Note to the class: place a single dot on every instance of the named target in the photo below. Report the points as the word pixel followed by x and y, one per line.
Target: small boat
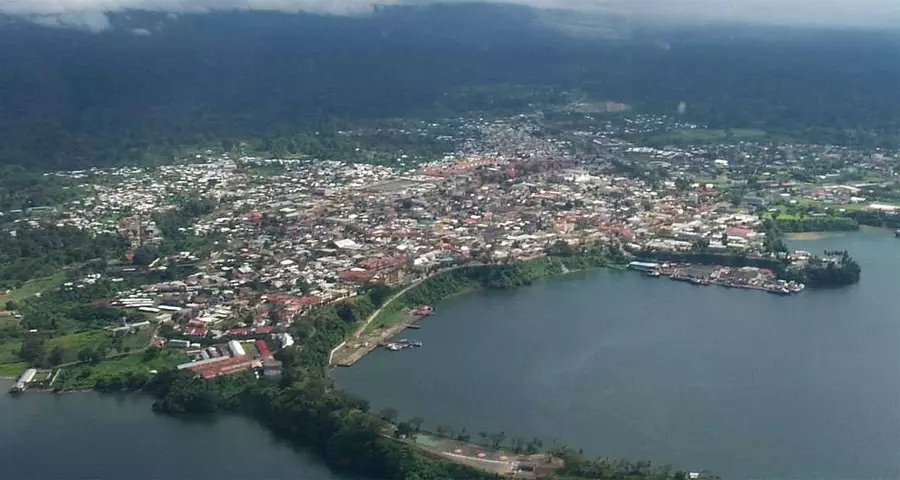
pixel 416 344
pixel 652 273
pixel 414 326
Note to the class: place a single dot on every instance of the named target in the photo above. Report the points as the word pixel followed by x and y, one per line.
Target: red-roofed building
pixel 197 332
pixel 356 276
pixel 379 263
pixel 739 232
pixel 246 332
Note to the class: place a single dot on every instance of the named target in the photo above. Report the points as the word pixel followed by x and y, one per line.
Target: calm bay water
pixel 743 383
pixel 94 437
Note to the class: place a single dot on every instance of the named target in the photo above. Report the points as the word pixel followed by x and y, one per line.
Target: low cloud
pixel 90 21
pixel 90 14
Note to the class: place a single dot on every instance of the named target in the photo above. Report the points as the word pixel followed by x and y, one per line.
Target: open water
pixel 742 383
pixel 745 384
pixel 85 436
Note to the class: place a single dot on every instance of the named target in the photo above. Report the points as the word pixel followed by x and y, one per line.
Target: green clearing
pixel 12 369
pixel 388 317
pixel 85 377
pixel 74 342
pixel 709 135
pixel 10 363
pixel 250 348
pixel 32 287
pixel 137 340
pixel 9 352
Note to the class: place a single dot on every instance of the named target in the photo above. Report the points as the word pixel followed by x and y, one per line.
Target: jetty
pixel 22 383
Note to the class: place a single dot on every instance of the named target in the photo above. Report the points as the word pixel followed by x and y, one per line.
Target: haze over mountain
pixel 91 14
pixel 152 80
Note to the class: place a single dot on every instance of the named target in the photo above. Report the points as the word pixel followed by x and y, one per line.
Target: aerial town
pixel 282 236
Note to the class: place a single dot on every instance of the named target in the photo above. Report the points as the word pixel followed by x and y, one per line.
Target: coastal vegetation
pixel 876 218
pixel 817 224
pixel 561 258
pixel 305 408
pixel 835 269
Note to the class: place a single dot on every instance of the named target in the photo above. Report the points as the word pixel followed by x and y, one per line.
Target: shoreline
pixel 375 339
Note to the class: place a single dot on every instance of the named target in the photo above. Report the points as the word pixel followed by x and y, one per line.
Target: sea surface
pixel 741 383
pixel 86 436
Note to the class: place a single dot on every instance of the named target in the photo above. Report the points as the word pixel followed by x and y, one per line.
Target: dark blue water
pixel 743 383
pixel 94 437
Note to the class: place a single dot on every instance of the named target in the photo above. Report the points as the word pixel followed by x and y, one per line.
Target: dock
pixel 749 278
pixel 22 383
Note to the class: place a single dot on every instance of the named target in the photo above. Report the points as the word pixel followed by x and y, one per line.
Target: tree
pixel 700 244
pixel 534 446
pixel 56 356
pixel 497 439
pixel 12 305
pixel 463 435
pixel 389 414
pixel 86 355
pixel 32 350
pixel 416 422
pixel 724 238
pixel 150 353
pixel 404 429
pixel 518 444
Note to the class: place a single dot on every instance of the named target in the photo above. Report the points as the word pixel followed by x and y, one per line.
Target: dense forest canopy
pixel 70 98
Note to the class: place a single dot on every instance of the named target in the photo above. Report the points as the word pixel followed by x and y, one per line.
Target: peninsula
pixel 232 281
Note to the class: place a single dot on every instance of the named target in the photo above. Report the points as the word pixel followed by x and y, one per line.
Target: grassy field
pixel 10 364
pixel 9 351
pixel 12 369
pixel 32 287
pixel 389 316
pixel 710 135
pixel 84 377
pixel 74 342
pixel 139 339
pixel 71 344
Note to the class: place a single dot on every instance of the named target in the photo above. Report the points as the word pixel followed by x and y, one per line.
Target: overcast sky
pixel 851 13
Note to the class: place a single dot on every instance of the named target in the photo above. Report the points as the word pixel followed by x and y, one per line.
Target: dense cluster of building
pixel 314 230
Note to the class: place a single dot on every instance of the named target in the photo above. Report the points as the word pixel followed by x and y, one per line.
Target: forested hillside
pixel 69 98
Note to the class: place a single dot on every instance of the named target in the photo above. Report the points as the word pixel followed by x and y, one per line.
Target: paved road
pixel 374 314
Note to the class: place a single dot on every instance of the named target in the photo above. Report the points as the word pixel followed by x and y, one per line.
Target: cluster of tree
pixel 34 252
pixel 70 309
pixel 305 409
pixel 380 146
pixel 876 218
pixel 35 352
pixel 23 189
pixel 175 226
pixel 579 466
pixel 772 243
pixel 97 120
pixel 835 269
pixel 827 223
